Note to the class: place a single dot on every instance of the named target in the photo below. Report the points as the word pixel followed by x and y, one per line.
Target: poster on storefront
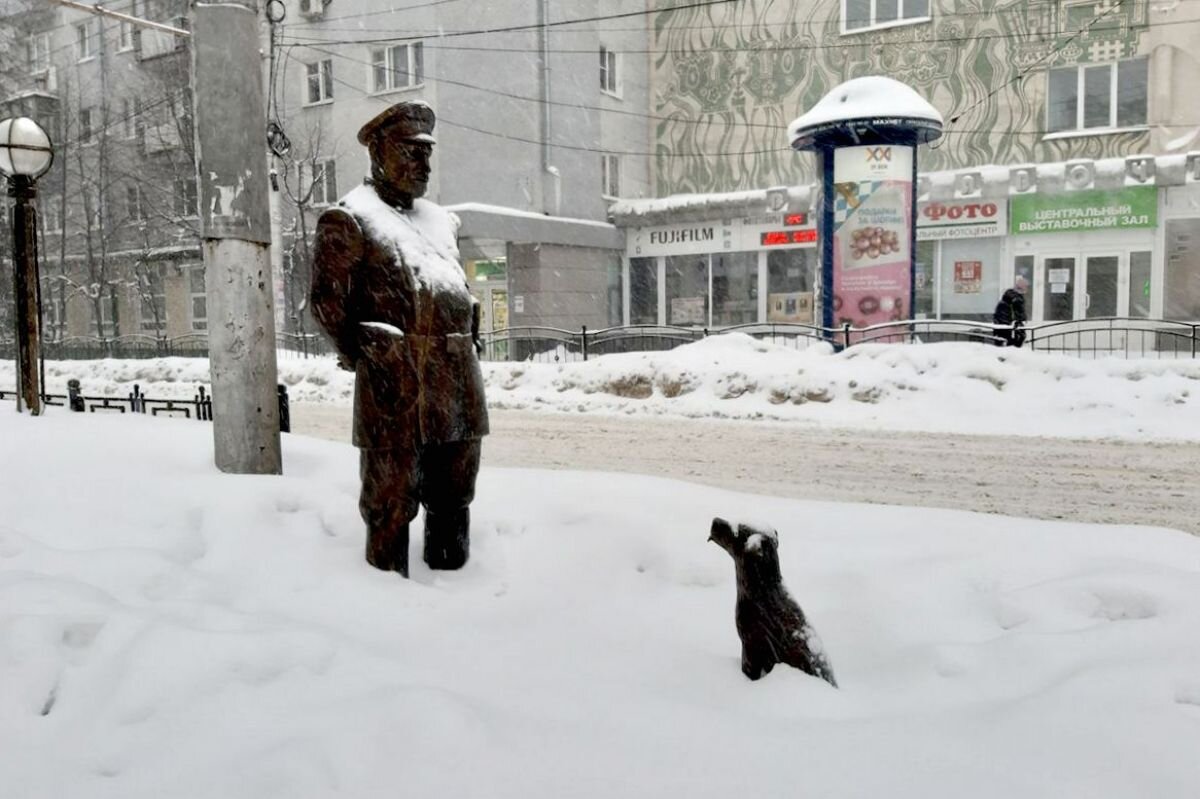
pixel 968 277
pixel 795 306
pixel 872 223
pixel 687 311
pixel 961 219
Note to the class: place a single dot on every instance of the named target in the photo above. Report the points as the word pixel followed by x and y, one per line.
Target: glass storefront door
pixel 1058 288
pixel 1099 283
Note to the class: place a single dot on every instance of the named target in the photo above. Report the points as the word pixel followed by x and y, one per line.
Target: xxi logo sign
pixel 879 154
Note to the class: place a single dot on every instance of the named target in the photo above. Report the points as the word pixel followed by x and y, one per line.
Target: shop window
pixel 1139 285
pixel 734 288
pixel 1097 96
pixel 970 284
pixel 687 290
pixel 399 67
pixel 791 279
pixel 924 280
pixel 1181 296
pixel 862 15
pixel 615 295
pixel 319 81
pixel 643 291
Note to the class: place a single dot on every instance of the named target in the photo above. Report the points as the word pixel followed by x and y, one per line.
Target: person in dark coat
pixel 1010 312
pixel 388 288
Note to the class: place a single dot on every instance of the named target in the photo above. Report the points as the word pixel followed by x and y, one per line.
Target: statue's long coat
pixel 388 288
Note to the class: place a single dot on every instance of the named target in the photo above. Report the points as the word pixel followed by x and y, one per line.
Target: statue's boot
pixel 387 549
pixel 447 538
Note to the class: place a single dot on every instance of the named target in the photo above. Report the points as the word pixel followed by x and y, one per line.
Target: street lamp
pixel 25 155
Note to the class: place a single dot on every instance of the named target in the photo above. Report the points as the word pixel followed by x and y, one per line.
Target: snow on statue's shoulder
pixel 871 97
pixel 423 236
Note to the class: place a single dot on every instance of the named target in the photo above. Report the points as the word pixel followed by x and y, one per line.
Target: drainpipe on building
pixel 551 183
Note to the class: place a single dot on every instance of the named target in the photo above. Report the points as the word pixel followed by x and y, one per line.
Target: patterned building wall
pixel 729 77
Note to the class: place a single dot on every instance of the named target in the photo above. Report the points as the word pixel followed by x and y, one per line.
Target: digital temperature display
pixel 773 238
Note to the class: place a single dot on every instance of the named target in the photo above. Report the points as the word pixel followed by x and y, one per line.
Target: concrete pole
pixel 235 226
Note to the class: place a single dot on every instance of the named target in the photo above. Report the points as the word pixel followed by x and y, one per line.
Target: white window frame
pixel 135 203
pixel 37 50
pixel 157 292
pixel 382 62
pixel 198 322
pixel 186 198
pixel 610 176
pixel 85 40
pixel 610 72
pixel 50 213
pixel 124 37
pixel 324 182
pixel 899 21
pixel 318 75
pixel 87 130
pixel 1081 102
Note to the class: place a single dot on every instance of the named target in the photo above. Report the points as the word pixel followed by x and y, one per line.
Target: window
pixel 86 128
pixel 1181 295
pixel 734 288
pixel 199 304
pixel 50 210
pixel 860 15
pixel 186 199
pixel 38 50
pixel 85 39
pixel 320 81
pixel 791 278
pixel 154 300
pixel 128 122
pixel 324 185
pixel 1097 96
pixel 687 290
pixel 610 176
pixel 135 203
pixel 643 291
pixel 608 71
pixel 398 67
pixel 124 36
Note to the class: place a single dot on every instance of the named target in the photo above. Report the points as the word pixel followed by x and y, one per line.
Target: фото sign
pixel 961 219
pixel 1122 209
pixel 872 226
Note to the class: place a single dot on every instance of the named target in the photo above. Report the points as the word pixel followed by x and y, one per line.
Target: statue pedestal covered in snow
pixel 388 289
pixel 769 622
pixel 866 133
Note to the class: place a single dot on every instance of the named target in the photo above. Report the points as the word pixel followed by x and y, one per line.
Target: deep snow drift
pixel 167 630
pixel 948 388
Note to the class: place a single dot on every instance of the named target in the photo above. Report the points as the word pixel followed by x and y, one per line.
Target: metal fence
pixel 1084 338
pixel 199 407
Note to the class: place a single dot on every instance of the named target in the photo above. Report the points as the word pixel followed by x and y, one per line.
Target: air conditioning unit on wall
pixel 313 9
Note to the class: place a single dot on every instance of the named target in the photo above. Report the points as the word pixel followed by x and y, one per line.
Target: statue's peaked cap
pixel 412 120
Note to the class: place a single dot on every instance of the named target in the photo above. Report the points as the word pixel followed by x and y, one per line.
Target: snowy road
pixel 1117 482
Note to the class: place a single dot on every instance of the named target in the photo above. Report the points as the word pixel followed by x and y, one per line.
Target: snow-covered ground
pixel 167 630
pixel 949 388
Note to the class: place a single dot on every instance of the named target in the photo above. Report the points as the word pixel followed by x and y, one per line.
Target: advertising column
pixel 872 234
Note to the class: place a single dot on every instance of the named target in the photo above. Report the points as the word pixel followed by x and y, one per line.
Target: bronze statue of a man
pixel 388 289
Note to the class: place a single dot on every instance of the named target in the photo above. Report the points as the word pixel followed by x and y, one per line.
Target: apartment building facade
pixel 1071 122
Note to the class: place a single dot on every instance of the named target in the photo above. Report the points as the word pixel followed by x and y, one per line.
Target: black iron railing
pixel 1121 337
pixel 199 407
